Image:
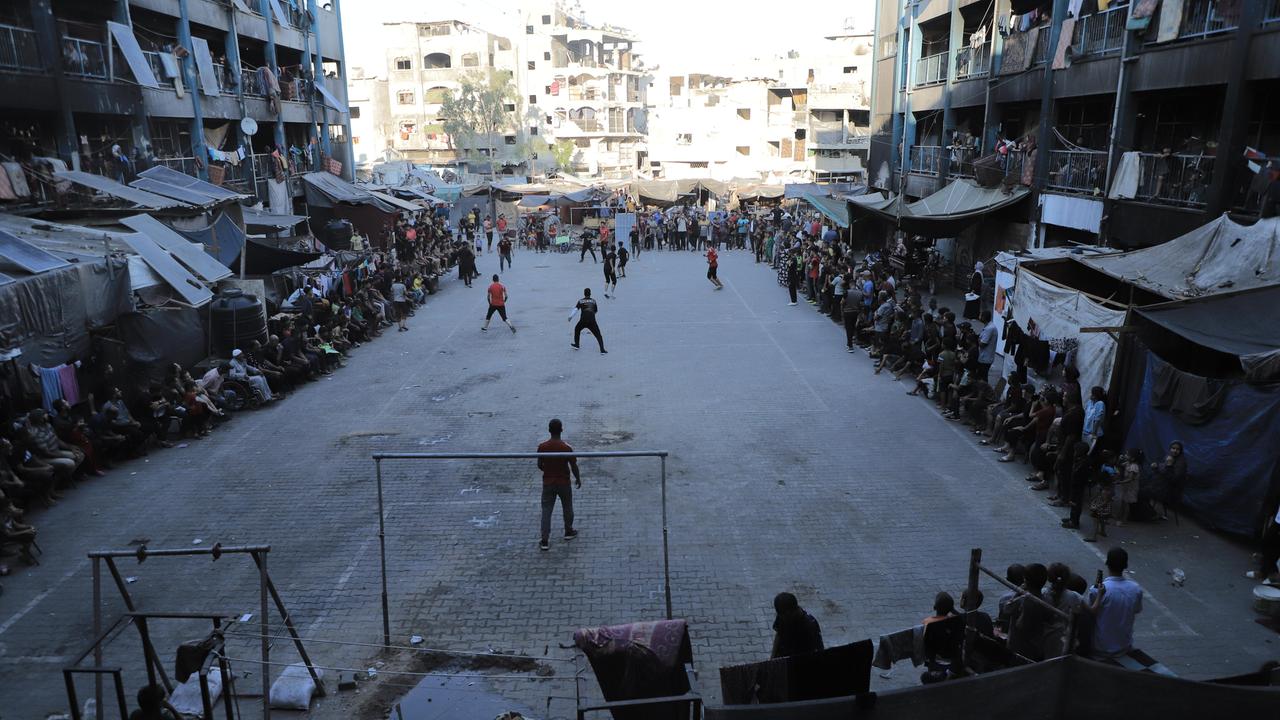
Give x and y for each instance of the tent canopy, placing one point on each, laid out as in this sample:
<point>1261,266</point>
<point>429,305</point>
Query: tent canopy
<point>1244,323</point>
<point>946,212</point>
<point>260,220</point>
<point>836,210</point>
<point>326,190</point>
<point>1218,257</point>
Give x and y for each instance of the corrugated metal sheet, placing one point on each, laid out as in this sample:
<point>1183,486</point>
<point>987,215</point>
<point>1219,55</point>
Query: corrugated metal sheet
<point>142,198</point>
<point>184,283</point>
<point>191,255</point>
<point>170,176</point>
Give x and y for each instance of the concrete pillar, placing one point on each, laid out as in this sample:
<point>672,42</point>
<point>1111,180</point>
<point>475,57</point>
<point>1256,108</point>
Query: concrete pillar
<point>954,43</point>
<point>187,66</point>
<point>1237,109</point>
<point>1044,135</point>
<point>50,47</point>
<point>991,115</point>
<point>348,162</point>
<point>265,9</point>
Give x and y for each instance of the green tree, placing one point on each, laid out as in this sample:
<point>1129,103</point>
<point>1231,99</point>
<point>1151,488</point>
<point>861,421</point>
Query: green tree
<point>562,152</point>
<point>478,111</point>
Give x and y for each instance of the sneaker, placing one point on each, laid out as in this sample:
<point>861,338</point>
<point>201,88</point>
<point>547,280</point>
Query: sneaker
<point>484,329</point>
<point>544,546</point>
<point>570,534</point>
<point>791,303</point>
<point>513,329</point>
<point>604,352</point>
<point>849,350</point>
<point>573,345</point>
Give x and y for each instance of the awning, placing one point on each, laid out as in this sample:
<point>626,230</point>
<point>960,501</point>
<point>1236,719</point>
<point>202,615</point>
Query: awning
<point>264,258</point>
<point>533,201</point>
<point>326,189</point>
<point>946,212</point>
<point>132,52</point>
<point>760,191</point>
<point>107,186</point>
<point>260,220</point>
<point>1242,323</point>
<point>835,209</point>
<point>396,202</point>
<point>222,240</point>
<point>1222,256</point>
<point>330,99</point>
<point>169,176</point>
<point>188,253</point>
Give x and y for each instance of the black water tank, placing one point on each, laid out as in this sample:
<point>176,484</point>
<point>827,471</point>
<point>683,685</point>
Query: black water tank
<point>235,320</point>
<point>337,234</point>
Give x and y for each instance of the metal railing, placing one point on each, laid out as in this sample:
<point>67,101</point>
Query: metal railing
<point>1200,19</point>
<point>84,58</point>
<point>1077,171</point>
<point>251,82</point>
<point>926,159</point>
<point>1042,51</point>
<point>1271,13</point>
<point>157,68</point>
<point>960,160</point>
<point>185,165</point>
<point>1100,33</point>
<point>19,50</point>
<point>1174,179</point>
<point>226,80</point>
<point>973,62</point>
<point>931,70</point>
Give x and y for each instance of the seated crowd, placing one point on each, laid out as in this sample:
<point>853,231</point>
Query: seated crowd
<point>43,453</point>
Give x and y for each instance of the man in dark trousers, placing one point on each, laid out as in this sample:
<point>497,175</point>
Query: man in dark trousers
<point>795,631</point>
<point>587,246</point>
<point>793,278</point>
<point>587,307</point>
<point>555,483</point>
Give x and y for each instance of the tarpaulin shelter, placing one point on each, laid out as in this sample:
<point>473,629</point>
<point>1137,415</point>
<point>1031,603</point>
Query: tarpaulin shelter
<point>330,197</point>
<point>834,209</point>
<point>222,239</point>
<point>1244,325</point>
<point>1064,688</point>
<point>155,338</point>
<point>1218,257</point>
<point>944,213</point>
<point>265,257</point>
<point>261,221</point>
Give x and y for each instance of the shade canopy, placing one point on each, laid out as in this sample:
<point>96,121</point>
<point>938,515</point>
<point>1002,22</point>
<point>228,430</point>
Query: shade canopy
<point>1241,324</point>
<point>946,212</point>
<point>835,209</point>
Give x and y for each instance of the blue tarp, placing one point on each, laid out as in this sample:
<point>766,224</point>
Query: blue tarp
<point>223,240</point>
<point>1231,460</point>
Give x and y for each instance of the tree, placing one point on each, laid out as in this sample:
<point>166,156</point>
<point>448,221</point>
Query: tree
<point>479,110</point>
<point>562,152</point>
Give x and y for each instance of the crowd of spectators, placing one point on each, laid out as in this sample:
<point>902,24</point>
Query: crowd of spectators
<point>46,452</point>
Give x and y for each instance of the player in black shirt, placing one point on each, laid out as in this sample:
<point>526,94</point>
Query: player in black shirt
<point>587,307</point>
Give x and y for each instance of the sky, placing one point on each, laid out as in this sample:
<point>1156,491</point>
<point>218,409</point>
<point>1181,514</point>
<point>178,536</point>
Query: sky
<point>681,35</point>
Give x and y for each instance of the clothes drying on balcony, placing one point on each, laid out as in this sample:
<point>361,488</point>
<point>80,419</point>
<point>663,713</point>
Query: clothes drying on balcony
<point>946,212</point>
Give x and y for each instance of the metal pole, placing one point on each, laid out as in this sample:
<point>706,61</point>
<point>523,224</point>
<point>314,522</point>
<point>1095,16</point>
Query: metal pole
<point>666,556</point>
<point>382,553</point>
<point>97,628</point>
<point>266,632</point>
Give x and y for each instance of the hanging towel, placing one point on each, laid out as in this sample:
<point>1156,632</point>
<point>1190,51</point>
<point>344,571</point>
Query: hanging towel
<point>1170,21</point>
<point>69,384</point>
<point>50,386</point>
<point>902,645</point>
<point>1125,183</point>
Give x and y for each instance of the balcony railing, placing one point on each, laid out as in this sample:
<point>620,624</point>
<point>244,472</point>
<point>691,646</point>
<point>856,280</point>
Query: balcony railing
<point>1040,55</point>
<point>973,62</point>
<point>926,159</point>
<point>1271,13</point>
<point>1174,179</point>
<point>1200,19</point>
<point>186,165</point>
<point>226,81</point>
<point>84,58</point>
<point>18,50</point>
<point>157,68</point>
<point>1077,171</point>
<point>931,70</point>
<point>251,82</point>
<point>1100,33</point>
<point>961,159</point>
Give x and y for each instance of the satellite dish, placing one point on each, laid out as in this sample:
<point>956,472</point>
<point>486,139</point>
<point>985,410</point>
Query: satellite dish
<point>249,126</point>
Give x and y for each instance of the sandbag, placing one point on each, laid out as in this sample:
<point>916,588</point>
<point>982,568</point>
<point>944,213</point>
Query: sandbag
<point>186,697</point>
<point>294,688</point>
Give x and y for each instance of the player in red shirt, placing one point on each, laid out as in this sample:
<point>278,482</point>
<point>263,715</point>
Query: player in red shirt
<point>555,484</point>
<point>497,293</point>
<point>713,261</point>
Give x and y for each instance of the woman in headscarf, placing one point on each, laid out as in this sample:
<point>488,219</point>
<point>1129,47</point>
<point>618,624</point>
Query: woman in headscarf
<point>973,298</point>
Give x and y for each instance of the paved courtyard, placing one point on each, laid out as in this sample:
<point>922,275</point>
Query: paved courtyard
<point>791,467</point>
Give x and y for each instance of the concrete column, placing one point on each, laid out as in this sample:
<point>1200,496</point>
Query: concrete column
<point>265,9</point>
<point>1123,123</point>
<point>50,47</point>
<point>348,162</point>
<point>991,115</point>
<point>186,66</point>
<point>312,60</point>
<point>1044,135</point>
<point>913,49</point>
<point>954,42</point>
<point>1237,109</point>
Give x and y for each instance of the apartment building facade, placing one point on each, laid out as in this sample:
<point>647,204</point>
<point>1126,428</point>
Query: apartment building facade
<point>574,83</point>
<point>171,81</point>
<point>1126,127</point>
<point>805,116</point>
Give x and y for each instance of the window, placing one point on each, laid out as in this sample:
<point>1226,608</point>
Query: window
<point>546,19</point>
<point>533,65</point>
<point>684,138</point>
<point>533,130</point>
<point>533,99</point>
<point>470,60</point>
<point>437,61</point>
<point>744,113</point>
<point>404,63</point>
<point>404,97</point>
<point>528,29</point>
<point>744,150</point>
<point>355,112</point>
<point>888,46</point>
<point>509,107</point>
<point>546,56</point>
<point>697,166</point>
<point>547,89</point>
<point>582,142</point>
<point>436,95</point>
<point>509,139</point>
<point>850,69</point>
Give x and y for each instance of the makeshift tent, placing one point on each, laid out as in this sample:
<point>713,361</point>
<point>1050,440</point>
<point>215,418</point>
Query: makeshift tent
<point>836,210</point>
<point>329,197</point>
<point>1064,688</point>
<point>155,338</point>
<point>758,191</point>
<point>1059,313</point>
<point>51,313</point>
<point>946,212</point>
<point>223,239</point>
<point>261,221</point>
<point>265,257</point>
<point>1218,257</point>
<point>1243,324</point>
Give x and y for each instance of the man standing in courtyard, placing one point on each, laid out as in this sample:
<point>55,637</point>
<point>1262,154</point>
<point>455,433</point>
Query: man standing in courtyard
<point>555,483</point>
<point>497,304</point>
<point>1114,602</point>
<point>587,307</point>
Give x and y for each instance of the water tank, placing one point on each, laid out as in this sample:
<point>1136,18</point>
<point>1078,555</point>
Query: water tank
<point>337,234</point>
<point>235,320</point>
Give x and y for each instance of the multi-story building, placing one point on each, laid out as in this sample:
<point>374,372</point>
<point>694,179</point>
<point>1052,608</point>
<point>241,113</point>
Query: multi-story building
<point>575,83</point>
<point>170,82</point>
<point>802,116</point>
<point>1134,136</point>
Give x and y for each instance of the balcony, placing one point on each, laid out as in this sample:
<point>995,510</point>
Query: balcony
<point>1100,33</point>
<point>1174,179</point>
<point>157,69</point>
<point>931,70</point>
<point>19,51</point>
<point>961,160</point>
<point>1040,55</point>
<point>84,58</point>
<point>1078,171</point>
<point>926,159</point>
<point>251,83</point>
<point>1200,19</point>
<point>226,81</point>
<point>973,62</point>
